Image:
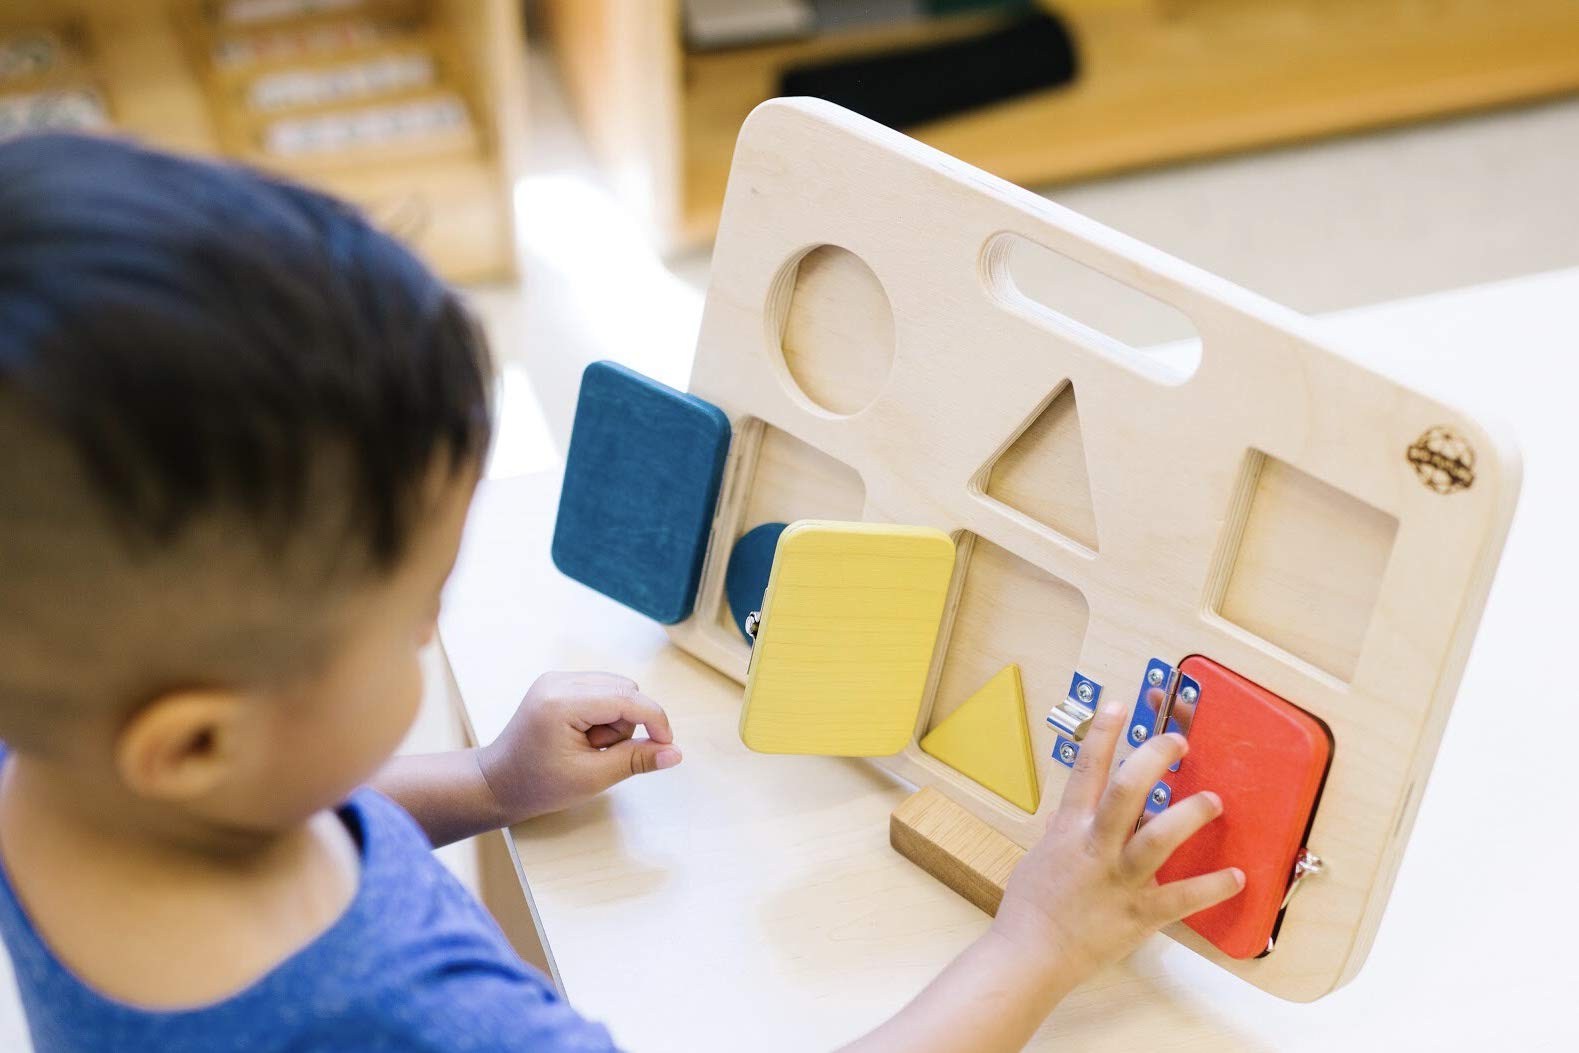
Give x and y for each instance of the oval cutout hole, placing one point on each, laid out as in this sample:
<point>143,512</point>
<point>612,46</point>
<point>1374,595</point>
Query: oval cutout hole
<point>1163,339</point>
<point>838,334</point>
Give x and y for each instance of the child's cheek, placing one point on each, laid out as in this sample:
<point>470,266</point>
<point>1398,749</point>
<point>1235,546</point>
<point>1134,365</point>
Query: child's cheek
<point>387,705</point>
<point>403,698</point>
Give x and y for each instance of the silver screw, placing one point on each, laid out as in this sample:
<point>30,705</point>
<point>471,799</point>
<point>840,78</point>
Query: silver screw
<point>1158,795</point>
<point>1083,691</point>
<point>1066,753</point>
<point>1154,676</point>
<point>1138,734</point>
<point>1187,693</point>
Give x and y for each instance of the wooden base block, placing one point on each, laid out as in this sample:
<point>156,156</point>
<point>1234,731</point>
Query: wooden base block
<point>954,846</point>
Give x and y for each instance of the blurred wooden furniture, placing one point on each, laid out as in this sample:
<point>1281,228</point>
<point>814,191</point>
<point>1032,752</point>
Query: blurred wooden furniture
<point>412,109</point>
<point>1159,80</point>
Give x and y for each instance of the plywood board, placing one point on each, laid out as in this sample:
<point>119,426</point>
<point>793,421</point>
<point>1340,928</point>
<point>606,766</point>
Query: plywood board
<point>1202,489</point>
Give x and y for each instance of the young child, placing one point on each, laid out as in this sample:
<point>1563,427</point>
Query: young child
<point>239,431</point>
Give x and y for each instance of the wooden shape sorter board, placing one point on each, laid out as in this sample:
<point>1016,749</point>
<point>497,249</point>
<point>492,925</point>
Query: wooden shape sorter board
<point>1322,531</point>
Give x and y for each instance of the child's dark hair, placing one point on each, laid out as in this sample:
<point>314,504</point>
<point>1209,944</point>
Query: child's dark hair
<point>201,333</point>
<point>193,343</point>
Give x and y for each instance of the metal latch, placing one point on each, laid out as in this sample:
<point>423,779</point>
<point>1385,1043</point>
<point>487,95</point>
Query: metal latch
<point>753,622</point>
<point>1166,703</point>
<point>1306,865</point>
<point>1072,716</point>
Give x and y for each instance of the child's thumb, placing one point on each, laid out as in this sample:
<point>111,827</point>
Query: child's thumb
<point>639,756</point>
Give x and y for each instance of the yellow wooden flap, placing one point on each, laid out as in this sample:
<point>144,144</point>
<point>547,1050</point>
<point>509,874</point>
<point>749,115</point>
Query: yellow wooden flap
<point>848,625</point>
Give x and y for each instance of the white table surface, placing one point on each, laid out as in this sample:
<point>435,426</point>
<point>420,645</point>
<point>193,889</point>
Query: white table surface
<point>752,902</point>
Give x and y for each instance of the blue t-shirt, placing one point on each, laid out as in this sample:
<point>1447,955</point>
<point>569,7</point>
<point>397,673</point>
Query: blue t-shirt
<point>414,963</point>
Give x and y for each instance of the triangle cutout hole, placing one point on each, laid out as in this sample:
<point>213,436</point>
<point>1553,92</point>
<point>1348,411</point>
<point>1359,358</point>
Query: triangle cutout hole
<point>1043,473</point>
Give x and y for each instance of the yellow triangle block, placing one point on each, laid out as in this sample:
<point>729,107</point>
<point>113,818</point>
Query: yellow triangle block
<point>988,740</point>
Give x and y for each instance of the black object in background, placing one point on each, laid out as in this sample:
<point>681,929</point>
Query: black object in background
<point>903,88</point>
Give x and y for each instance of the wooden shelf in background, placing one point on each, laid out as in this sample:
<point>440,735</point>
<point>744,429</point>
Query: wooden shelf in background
<point>1160,81</point>
<point>150,59</point>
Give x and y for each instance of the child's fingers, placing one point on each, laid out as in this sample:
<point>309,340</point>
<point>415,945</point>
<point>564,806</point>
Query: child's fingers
<point>1163,834</point>
<point>636,757</point>
<point>599,680</point>
<point>1096,757</point>
<point>1127,789</point>
<point>602,736</point>
<point>653,718</point>
<point>1179,899</point>
<point>611,707</point>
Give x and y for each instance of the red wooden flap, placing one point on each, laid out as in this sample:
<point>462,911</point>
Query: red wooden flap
<point>1266,759</point>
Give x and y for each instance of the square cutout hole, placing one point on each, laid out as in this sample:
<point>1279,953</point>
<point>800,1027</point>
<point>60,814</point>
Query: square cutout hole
<point>1303,564</point>
<point>1011,612</point>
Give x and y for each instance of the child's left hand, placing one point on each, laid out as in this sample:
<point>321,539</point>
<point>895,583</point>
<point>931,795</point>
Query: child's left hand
<point>572,738</point>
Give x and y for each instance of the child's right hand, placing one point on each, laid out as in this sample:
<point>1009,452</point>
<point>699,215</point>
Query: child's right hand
<point>1087,894</point>
<point>1081,899</point>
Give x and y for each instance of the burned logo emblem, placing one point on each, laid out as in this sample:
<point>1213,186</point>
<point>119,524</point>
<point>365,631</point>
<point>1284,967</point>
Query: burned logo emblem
<point>1443,461</point>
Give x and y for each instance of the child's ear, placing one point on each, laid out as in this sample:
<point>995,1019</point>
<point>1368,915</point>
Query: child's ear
<point>180,747</point>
